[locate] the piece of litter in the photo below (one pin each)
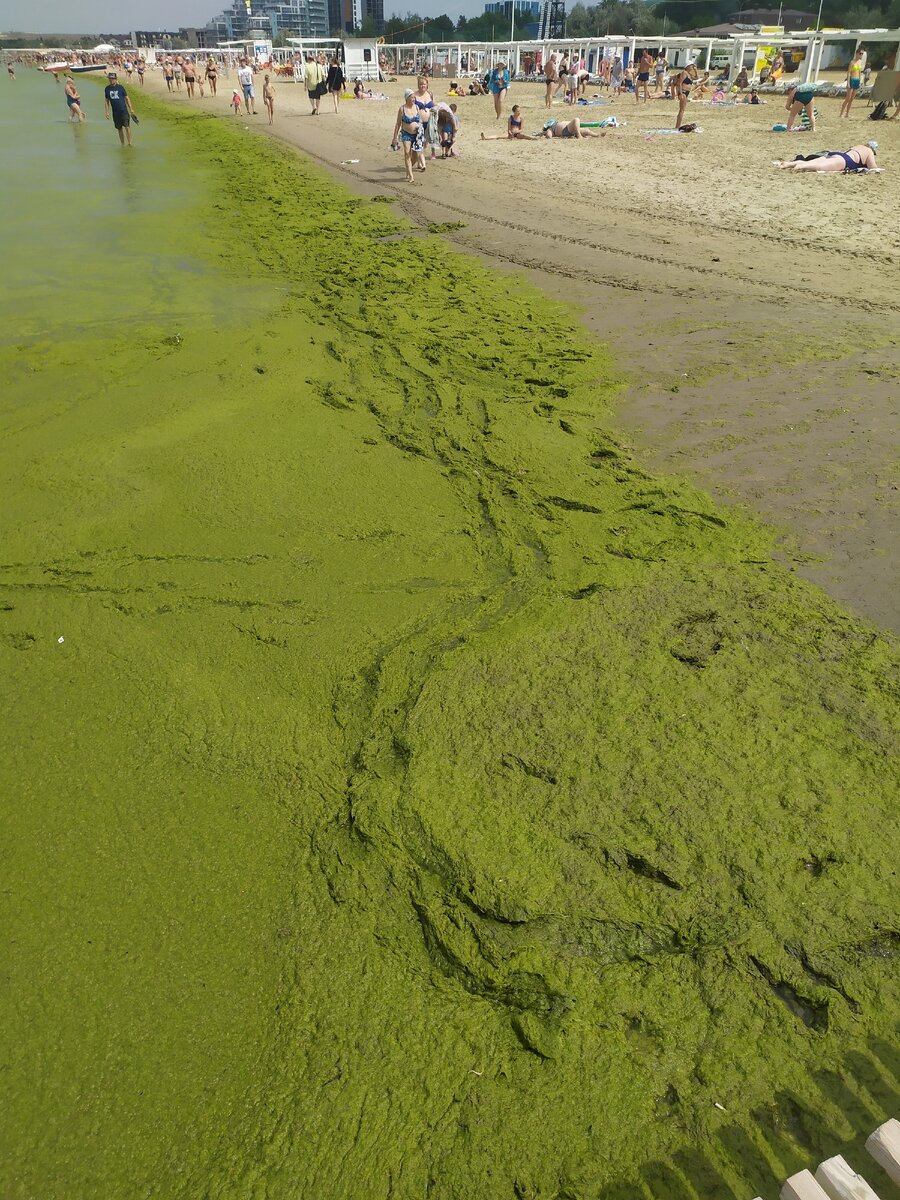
(60, 640)
(346, 162)
(720, 1107)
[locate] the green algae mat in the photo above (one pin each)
(422, 801)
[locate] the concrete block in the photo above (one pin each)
(841, 1182)
(802, 1186)
(884, 1146)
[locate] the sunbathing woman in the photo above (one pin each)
(514, 130)
(836, 162)
(566, 129)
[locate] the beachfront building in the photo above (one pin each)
(272, 19)
(347, 16)
(528, 15)
(143, 39)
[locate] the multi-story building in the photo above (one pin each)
(347, 16)
(375, 10)
(272, 19)
(142, 39)
(528, 15)
(344, 16)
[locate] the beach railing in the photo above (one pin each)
(835, 1179)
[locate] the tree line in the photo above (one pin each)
(622, 17)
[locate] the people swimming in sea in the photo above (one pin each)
(836, 162)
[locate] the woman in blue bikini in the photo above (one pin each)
(409, 128)
(427, 112)
(514, 131)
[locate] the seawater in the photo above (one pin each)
(97, 237)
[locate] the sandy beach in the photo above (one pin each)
(756, 313)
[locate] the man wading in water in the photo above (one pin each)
(119, 106)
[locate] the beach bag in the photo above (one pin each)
(879, 112)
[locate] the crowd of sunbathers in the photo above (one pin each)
(422, 124)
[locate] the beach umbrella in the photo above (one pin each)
(103, 48)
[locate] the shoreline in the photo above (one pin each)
(693, 310)
(567, 783)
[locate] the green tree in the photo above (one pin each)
(860, 17)
(693, 16)
(440, 29)
(578, 21)
(403, 29)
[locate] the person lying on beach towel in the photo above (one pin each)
(856, 160)
(566, 129)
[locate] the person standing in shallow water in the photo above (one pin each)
(73, 100)
(118, 106)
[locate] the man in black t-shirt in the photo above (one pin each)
(118, 104)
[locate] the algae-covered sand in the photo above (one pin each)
(424, 801)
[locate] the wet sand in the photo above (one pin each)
(755, 312)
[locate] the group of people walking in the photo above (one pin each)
(183, 69)
(422, 124)
(321, 78)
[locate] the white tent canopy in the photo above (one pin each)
(694, 48)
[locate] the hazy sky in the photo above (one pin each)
(111, 16)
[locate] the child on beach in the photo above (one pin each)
(236, 101)
(448, 125)
(269, 99)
